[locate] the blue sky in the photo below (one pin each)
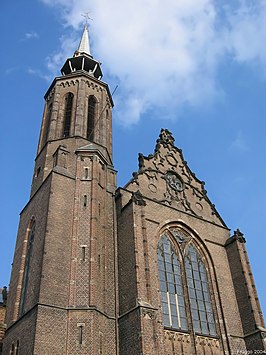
(196, 68)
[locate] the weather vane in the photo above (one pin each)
(87, 17)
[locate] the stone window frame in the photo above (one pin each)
(180, 241)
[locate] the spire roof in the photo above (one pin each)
(84, 44)
(82, 59)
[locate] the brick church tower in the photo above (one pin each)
(148, 269)
(63, 282)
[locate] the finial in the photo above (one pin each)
(84, 45)
(87, 17)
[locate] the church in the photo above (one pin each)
(150, 268)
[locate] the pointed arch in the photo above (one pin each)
(68, 114)
(171, 285)
(183, 271)
(91, 117)
(199, 292)
(47, 123)
(30, 239)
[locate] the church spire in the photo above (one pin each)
(84, 44)
(82, 59)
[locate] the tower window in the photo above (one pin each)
(83, 253)
(47, 123)
(182, 272)
(86, 173)
(68, 114)
(81, 333)
(17, 348)
(85, 200)
(30, 239)
(12, 351)
(91, 117)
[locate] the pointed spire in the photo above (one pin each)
(82, 58)
(84, 44)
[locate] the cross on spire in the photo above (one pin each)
(87, 17)
(84, 45)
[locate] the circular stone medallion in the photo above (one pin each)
(152, 188)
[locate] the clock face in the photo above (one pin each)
(174, 182)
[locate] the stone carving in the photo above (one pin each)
(173, 181)
(180, 237)
(93, 86)
(69, 83)
(239, 236)
(148, 313)
(137, 198)
(182, 190)
(165, 138)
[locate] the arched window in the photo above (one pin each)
(17, 348)
(67, 114)
(47, 123)
(199, 293)
(171, 286)
(182, 274)
(30, 239)
(91, 117)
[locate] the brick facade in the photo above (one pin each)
(85, 277)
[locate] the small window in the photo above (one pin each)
(37, 173)
(17, 348)
(80, 333)
(83, 253)
(86, 175)
(12, 350)
(85, 200)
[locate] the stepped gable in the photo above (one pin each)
(166, 178)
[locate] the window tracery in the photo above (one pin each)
(183, 275)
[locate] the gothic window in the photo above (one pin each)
(182, 274)
(171, 286)
(199, 294)
(12, 351)
(91, 117)
(67, 114)
(17, 348)
(47, 123)
(30, 240)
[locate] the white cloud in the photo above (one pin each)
(164, 55)
(239, 144)
(31, 35)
